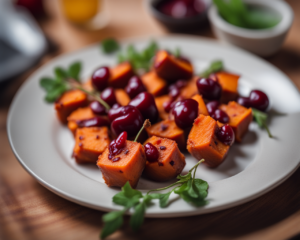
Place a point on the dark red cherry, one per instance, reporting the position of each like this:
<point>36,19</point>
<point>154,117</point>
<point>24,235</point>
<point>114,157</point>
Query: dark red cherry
<point>151,152</point>
<point>244,101</point>
<point>129,119</point>
<point>209,88</point>
<point>145,103</point>
<point>97,108</point>
<point>100,78</point>
<point>221,116</point>
<point>185,112</point>
<point>181,83</point>
<point>174,92</point>
<point>116,111</point>
<point>212,106</point>
<point>259,100</point>
<point>168,105</point>
<point>108,95</point>
<point>116,146</point>
<point>134,87</point>
<point>93,122</point>
<point>226,135</point>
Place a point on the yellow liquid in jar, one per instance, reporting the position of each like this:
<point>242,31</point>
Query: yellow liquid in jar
<point>80,11</point>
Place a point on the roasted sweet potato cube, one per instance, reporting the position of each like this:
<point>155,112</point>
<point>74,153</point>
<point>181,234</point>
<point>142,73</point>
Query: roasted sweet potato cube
<point>68,102</point>
<point>77,115</point>
<point>127,166</point>
<point>239,118</point>
<point>122,97</point>
<point>90,143</point>
<point>190,89</point>
<point>153,83</point>
<point>171,68</point>
<point>120,75</point>
<point>168,129</point>
<point>229,84</point>
<point>203,143</point>
<point>201,105</point>
<point>170,161</point>
<point>159,101</point>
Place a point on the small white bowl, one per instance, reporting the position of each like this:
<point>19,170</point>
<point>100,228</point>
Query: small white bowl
<point>263,42</point>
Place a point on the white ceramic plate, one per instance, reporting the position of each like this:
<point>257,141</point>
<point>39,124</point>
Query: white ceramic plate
<point>44,146</point>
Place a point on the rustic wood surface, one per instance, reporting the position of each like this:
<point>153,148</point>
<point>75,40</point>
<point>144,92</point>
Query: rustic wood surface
<point>29,211</point>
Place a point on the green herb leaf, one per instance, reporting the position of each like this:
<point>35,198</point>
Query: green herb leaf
<point>60,73</point>
<point>137,217</point>
<point>184,177</point>
<point>113,221</point>
<point>47,83</point>
<point>128,197</point>
<point>53,94</point>
<point>74,70</point>
<point>215,66</point>
<point>176,52</point>
<point>109,45</point>
<point>261,118</point>
<point>164,199</point>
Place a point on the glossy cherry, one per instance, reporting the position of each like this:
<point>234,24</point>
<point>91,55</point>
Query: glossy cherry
<point>129,119</point>
<point>174,92</point>
<point>209,88</point>
<point>212,106</point>
<point>181,83</point>
<point>220,115</point>
<point>93,122</point>
<point>145,103</point>
<point>135,86</point>
<point>115,111</point>
<point>226,135</point>
<point>116,146</point>
<point>100,78</point>
<point>244,101</point>
<point>168,105</point>
<point>97,108</point>
<point>151,151</point>
<point>259,100</point>
<point>109,96</point>
<point>185,112</point>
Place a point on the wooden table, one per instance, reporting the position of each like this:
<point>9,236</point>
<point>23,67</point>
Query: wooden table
<point>29,211</point>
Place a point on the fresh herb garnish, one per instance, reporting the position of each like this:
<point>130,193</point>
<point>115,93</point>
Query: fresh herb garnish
<point>215,66</point>
<point>65,80</point>
<point>261,118</point>
<point>239,14</point>
<point>188,187</point>
<point>139,59</point>
<point>109,45</point>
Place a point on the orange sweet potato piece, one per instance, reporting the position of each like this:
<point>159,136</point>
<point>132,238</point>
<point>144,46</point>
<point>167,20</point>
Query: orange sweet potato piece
<point>77,115</point>
<point>229,84</point>
<point>159,101</point>
<point>190,89</point>
<point>170,161</point>
<point>122,97</point>
<point>153,83</point>
<point>201,105</point>
<point>90,143</point>
<point>127,166</point>
<point>168,129</point>
<point>171,68</point>
<point>239,118</point>
<point>203,143</point>
<point>68,102</point>
<point>120,75</point>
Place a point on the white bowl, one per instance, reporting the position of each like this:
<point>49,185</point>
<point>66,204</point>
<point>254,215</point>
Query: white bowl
<point>263,42</point>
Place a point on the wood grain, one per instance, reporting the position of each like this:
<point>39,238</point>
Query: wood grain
<point>29,211</point>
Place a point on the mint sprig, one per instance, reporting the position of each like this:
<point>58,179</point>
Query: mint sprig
<point>214,67</point>
<point>140,60</point>
<point>188,187</point>
<point>109,45</point>
<point>261,118</point>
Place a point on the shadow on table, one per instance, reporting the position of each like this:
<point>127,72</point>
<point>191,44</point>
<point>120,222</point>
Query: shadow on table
<point>258,214</point>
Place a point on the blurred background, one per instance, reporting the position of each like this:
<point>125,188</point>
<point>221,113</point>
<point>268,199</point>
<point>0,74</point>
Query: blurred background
<point>32,32</point>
